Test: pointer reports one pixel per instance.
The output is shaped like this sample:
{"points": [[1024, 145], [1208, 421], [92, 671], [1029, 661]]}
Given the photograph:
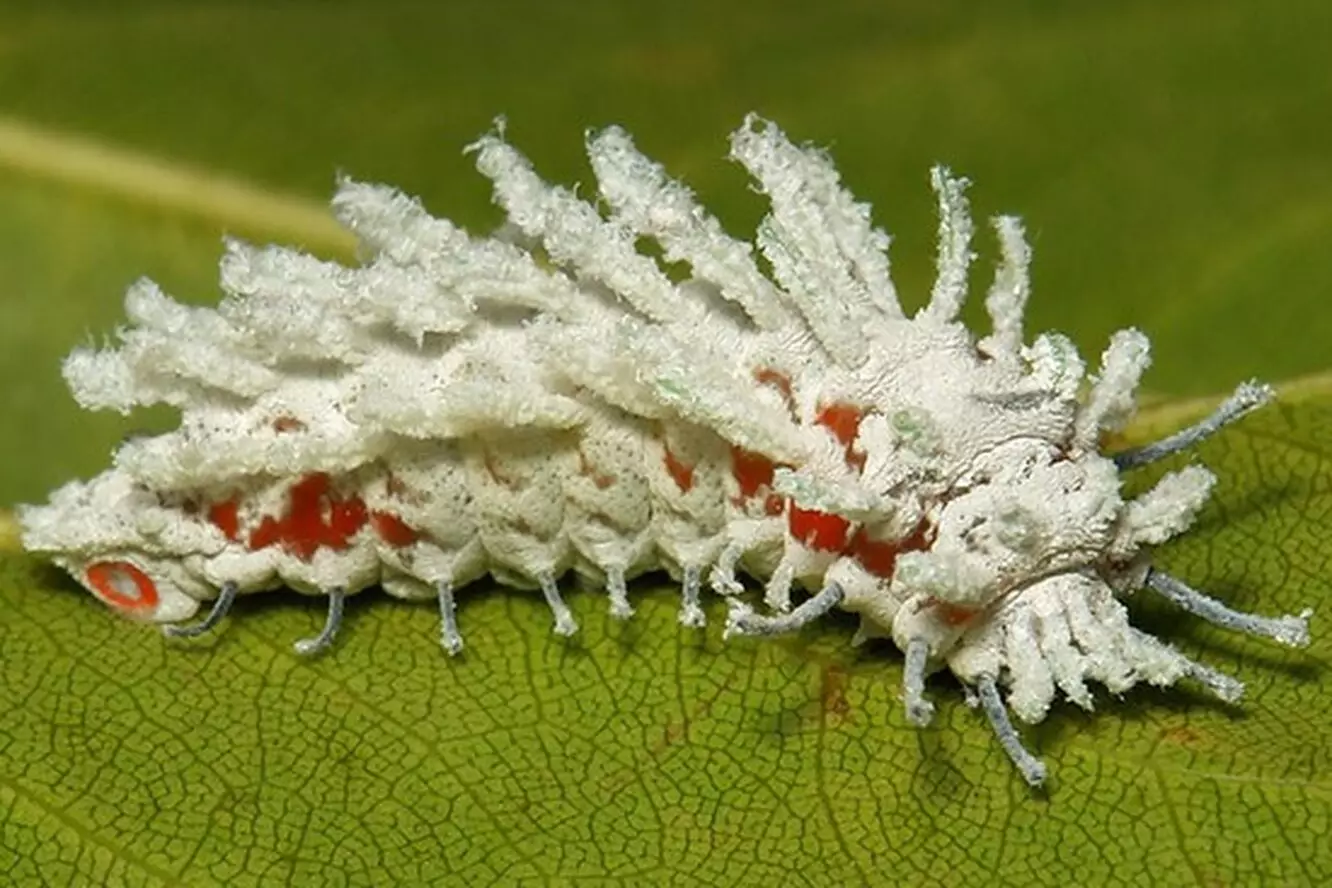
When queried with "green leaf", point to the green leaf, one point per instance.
{"points": [[648, 752]]}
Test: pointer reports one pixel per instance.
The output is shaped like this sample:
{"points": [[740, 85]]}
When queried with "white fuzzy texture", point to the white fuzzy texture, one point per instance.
{"points": [[561, 402]]}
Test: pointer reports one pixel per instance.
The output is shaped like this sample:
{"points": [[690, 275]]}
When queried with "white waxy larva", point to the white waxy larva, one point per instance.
{"points": [[459, 406]]}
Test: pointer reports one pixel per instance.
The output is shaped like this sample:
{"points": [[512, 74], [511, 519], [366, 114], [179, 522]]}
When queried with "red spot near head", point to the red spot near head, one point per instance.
{"points": [[122, 585], [225, 516], [780, 381], [284, 424], [681, 474], [315, 518], [843, 420], [753, 473], [952, 614], [820, 531], [879, 557], [393, 530]]}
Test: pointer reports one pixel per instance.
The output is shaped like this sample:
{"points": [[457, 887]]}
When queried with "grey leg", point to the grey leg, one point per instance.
{"points": [[1289, 630], [743, 621], [1032, 769], [620, 608], [332, 623], [564, 621], [919, 711], [1225, 687], [226, 597], [691, 614], [449, 637], [1249, 396]]}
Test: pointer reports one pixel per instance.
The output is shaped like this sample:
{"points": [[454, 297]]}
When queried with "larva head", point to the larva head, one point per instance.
{"points": [[1052, 514], [124, 545]]}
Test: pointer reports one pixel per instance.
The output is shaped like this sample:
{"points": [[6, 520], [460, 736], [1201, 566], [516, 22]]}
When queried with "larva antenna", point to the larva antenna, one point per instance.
{"points": [[1291, 630], [1007, 300], [955, 230], [1249, 396], [462, 268], [800, 244], [650, 203], [1110, 402], [575, 235]]}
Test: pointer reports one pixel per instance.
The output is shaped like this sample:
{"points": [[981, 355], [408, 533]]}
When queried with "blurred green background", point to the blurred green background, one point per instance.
{"points": [[1173, 161]]}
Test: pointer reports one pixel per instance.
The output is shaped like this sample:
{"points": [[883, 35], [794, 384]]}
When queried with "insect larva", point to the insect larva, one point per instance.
{"points": [[524, 406]]}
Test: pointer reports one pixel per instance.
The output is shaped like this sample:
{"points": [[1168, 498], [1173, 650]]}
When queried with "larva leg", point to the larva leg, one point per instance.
{"points": [[919, 710], [1289, 630], [723, 579], [1162, 665], [1032, 768], [226, 597], [691, 614], [741, 620], [777, 596], [449, 636], [620, 608], [1249, 396], [332, 623], [564, 621]]}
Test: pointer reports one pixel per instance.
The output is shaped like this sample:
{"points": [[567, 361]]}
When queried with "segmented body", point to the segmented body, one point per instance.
{"points": [[554, 401]]}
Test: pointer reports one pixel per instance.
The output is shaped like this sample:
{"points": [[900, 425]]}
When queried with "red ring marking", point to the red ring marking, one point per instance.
{"points": [[102, 578], [821, 531]]}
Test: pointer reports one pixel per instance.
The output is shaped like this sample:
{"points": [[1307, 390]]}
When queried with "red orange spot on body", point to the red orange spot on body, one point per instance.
{"points": [[122, 585], [820, 531], [780, 381], [284, 424], [953, 614], [753, 473], [315, 518], [393, 530], [681, 474], [843, 420], [879, 557], [225, 516]]}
